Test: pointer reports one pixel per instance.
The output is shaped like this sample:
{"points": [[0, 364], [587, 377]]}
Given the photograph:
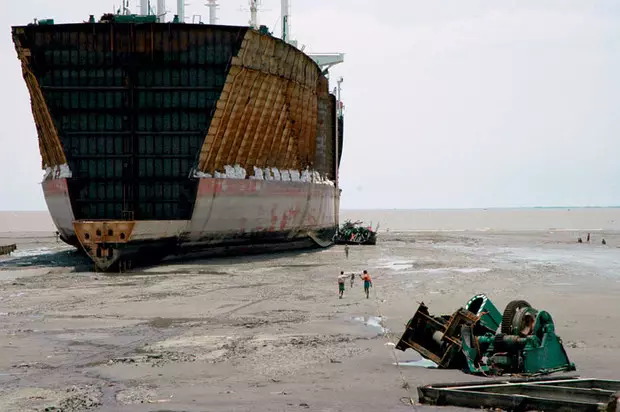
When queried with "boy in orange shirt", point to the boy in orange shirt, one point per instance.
{"points": [[367, 283]]}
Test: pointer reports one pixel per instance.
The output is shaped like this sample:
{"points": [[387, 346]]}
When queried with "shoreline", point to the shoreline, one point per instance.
{"points": [[269, 332]]}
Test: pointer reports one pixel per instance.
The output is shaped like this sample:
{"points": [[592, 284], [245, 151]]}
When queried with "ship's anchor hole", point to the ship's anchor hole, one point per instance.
{"points": [[86, 236], [110, 232], [122, 236], [98, 232]]}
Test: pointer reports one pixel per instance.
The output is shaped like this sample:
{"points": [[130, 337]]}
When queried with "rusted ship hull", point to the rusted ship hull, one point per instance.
{"points": [[229, 216], [160, 139]]}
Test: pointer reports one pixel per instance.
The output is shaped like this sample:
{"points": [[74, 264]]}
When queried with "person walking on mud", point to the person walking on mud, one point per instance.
{"points": [[367, 283], [352, 279], [346, 251], [341, 279]]}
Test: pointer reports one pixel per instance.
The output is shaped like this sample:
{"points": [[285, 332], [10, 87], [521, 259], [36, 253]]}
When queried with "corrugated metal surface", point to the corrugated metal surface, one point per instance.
{"points": [[132, 104], [267, 114], [324, 157]]}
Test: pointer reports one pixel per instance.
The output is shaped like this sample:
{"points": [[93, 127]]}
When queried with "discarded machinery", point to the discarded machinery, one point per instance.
{"points": [[479, 340]]}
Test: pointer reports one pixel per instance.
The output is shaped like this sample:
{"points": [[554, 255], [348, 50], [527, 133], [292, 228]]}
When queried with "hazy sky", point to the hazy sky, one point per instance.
{"points": [[449, 103]]}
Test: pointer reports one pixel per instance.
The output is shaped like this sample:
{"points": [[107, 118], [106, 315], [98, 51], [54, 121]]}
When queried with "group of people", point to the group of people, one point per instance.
{"points": [[579, 240], [365, 277]]}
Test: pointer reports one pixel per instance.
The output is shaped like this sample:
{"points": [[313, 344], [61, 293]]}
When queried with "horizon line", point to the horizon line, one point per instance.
{"points": [[408, 209]]}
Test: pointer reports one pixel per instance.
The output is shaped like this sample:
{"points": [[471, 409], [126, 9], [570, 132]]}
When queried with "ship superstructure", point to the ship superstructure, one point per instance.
{"points": [[161, 138]]}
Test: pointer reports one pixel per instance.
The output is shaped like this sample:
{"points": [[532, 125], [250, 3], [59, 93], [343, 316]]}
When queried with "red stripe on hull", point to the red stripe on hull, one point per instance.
{"points": [[229, 206]]}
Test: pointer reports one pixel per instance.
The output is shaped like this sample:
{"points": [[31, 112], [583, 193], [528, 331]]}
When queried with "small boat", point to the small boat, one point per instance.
{"points": [[354, 233]]}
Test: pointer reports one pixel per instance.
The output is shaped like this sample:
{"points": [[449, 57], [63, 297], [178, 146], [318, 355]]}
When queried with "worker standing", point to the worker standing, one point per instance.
{"points": [[367, 282], [341, 279], [346, 251], [352, 279]]}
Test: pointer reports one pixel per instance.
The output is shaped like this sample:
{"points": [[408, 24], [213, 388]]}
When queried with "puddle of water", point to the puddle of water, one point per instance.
{"points": [[459, 270], [33, 252], [421, 363], [396, 265], [372, 321], [472, 270]]}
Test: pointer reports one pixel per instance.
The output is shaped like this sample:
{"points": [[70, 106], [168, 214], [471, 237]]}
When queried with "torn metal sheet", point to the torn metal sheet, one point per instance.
{"points": [[569, 393]]}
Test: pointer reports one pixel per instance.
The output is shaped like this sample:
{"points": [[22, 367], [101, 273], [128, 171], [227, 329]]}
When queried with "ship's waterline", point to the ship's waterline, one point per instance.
{"points": [[235, 213]]}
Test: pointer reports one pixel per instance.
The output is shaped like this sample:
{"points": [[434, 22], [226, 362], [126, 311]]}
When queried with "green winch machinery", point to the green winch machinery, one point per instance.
{"points": [[480, 340]]}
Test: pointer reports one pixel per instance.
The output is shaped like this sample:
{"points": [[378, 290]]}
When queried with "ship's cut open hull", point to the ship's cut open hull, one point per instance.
{"points": [[230, 215], [160, 139]]}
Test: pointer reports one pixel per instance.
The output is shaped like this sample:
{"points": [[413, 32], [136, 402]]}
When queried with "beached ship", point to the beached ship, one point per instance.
{"points": [[165, 138]]}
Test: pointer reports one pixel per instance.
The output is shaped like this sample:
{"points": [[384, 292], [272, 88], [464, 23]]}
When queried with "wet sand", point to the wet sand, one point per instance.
{"points": [[269, 333]]}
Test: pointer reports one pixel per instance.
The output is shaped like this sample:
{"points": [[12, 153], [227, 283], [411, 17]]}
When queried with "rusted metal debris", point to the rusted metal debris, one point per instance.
{"points": [[569, 393], [480, 340], [8, 249]]}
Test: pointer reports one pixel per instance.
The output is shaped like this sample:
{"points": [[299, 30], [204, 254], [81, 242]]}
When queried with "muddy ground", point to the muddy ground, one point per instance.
{"points": [[268, 333]]}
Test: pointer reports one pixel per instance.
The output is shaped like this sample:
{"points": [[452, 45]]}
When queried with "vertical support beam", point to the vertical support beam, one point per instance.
{"points": [[161, 11], [338, 114], [212, 5], [285, 20], [181, 10], [144, 7], [254, 14]]}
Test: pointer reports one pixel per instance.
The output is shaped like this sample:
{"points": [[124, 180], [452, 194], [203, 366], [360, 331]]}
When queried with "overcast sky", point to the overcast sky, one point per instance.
{"points": [[449, 104]]}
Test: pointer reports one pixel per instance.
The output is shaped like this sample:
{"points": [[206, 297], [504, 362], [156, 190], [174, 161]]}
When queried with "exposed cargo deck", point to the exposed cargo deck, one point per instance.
{"points": [[133, 115]]}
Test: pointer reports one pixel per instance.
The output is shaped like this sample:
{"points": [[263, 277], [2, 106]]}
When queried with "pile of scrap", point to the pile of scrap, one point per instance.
{"points": [[8, 249], [354, 233], [480, 340]]}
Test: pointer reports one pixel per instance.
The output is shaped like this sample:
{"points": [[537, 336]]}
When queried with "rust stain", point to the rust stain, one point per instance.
{"points": [[51, 149], [267, 112], [263, 118], [96, 232]]}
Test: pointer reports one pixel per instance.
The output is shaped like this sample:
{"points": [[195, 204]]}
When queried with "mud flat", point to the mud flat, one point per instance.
{"points": [[268, 333]]}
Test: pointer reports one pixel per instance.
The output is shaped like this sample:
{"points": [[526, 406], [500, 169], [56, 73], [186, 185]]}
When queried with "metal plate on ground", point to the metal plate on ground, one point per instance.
{"points": [[569, 393]]}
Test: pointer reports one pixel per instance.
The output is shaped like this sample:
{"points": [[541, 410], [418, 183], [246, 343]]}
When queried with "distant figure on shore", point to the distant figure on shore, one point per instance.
{"points": [[603, 242], [341, 279], [346, 250], [588, 238], [352, 279], [367, 282], [579, 240], [57, 234]]}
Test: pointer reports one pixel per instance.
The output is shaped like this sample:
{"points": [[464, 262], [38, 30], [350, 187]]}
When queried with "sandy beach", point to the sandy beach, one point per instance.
{"points": [[268, 333]]}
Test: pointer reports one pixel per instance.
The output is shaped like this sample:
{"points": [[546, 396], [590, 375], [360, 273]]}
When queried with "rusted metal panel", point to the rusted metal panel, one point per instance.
{"points": [[270, 83], [52, 153]]}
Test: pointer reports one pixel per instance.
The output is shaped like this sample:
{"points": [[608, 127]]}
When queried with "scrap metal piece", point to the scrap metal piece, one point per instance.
{"points": [[552, 394], [480, 340], [8, 249]]}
